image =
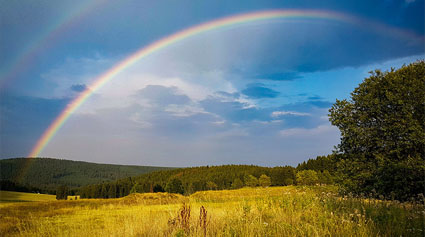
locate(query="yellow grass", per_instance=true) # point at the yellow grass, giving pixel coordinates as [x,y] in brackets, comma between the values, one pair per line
[275,211]
[8,196]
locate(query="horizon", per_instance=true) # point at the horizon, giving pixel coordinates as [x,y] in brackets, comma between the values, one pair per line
[253,93]
[177,167]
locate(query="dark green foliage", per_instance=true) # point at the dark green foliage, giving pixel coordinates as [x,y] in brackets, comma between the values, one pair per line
[382,128]
[211,186]
[264,181]
[49,174]
[158,188]
[279,175]
[174,186]
[192,179]
[251,181]
[321,163]
[289,181]
[237,183]
[325,177]
[307,177]
[62,193]
[112,191]
[8,185]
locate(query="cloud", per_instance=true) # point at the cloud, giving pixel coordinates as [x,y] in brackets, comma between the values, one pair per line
[304,133]
[315,97]
[78,87]
[162,95]
[282,76]
[276,114]
[228,95]
[259,91]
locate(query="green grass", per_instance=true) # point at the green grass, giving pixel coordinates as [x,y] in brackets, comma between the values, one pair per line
[8,197]
[274,211]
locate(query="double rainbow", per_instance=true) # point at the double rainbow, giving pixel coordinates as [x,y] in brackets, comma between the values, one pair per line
[198,29]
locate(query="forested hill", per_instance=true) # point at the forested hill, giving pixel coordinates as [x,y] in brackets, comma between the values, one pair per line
[190,180]
[48,174]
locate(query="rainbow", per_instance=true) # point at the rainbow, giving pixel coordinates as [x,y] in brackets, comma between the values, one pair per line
[195,30]
[46,38]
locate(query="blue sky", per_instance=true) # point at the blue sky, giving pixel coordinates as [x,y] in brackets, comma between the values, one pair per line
[256,93]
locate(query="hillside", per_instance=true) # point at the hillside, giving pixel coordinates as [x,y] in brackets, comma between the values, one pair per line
[48,173]
[192,179]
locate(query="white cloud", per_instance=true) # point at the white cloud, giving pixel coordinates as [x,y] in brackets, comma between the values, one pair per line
[276,114]
[324,130]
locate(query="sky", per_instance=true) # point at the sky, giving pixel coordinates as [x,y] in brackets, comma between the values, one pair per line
[252,93]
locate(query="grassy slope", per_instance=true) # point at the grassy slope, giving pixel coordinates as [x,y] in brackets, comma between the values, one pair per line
[8,196]
[49,173]
[276,211]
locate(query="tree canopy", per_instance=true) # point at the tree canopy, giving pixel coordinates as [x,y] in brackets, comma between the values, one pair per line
[382,128]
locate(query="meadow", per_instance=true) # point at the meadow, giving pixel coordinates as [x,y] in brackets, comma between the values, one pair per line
[11,197]
[272,211]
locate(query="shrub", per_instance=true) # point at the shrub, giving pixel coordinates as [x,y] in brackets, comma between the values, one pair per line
[307,177]
[264,181]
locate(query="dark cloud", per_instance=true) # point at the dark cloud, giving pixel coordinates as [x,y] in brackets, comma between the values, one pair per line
[23,120]
[78,87]
[258,91]
[315,97]
[163,96]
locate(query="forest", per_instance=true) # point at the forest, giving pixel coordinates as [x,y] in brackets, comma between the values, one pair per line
[46,175]
[189,180]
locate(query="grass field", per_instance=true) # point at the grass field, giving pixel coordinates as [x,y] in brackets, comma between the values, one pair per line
[8,197]
[275,211]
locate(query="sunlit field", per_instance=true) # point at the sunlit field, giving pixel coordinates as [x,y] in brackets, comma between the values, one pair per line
[11,197]
[273,211]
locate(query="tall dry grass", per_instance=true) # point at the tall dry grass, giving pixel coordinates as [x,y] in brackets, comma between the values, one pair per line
[276,211]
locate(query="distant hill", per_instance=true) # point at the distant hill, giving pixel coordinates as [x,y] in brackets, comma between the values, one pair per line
[192,179]
[48,174]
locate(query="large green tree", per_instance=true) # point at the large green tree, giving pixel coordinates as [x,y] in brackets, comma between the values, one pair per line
[382,126]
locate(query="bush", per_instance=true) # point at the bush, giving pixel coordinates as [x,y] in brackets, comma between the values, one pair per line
[264,181]
[307,177]
[251,181]
[237,183]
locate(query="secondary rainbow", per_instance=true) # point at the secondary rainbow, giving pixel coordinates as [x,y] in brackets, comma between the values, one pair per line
[195,30]
[47,38]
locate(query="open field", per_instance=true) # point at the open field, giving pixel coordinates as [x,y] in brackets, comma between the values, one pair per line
[8,196]
[274,211]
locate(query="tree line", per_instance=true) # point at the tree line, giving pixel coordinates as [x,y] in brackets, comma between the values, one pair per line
[190,180]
